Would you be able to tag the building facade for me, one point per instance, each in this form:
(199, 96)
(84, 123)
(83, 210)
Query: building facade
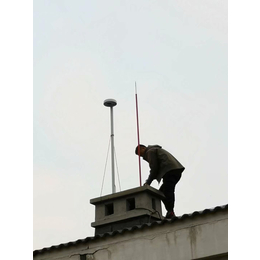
(200, 235)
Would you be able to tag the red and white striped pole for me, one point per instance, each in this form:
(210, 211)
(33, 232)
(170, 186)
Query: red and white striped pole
(138, 138)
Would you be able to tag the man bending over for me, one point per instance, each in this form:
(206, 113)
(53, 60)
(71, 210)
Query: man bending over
(163, 165)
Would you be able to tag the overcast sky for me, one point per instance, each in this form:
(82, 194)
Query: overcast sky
(88, 51)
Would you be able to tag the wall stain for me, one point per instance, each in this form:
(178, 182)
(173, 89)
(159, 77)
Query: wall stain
(193, 233)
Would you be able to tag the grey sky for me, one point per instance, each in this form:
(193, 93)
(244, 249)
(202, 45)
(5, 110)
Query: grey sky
(88, 51)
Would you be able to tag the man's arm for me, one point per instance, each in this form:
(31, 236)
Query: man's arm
(154, 165)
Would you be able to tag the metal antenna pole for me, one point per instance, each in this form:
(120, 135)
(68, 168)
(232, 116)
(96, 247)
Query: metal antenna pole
(111, 103)
(112, 152)
(138, 136)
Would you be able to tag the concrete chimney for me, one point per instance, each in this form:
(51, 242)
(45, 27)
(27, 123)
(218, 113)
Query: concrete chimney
(127, 209)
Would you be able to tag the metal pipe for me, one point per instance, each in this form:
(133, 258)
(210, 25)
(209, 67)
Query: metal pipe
(138, 136)
(111, 103)
(112, 152)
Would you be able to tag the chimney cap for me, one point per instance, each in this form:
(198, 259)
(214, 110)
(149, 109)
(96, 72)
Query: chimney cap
(125, 193)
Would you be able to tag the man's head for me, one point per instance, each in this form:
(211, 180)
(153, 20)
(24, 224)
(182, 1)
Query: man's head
(142, 150)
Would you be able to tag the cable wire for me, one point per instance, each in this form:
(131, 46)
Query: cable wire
(117, 170)
(105, 167)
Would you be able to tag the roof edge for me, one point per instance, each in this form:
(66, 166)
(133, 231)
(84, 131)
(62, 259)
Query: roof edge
(85, 240)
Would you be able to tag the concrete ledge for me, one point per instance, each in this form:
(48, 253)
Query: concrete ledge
(125, 193)
(128, 215)
(126, 223)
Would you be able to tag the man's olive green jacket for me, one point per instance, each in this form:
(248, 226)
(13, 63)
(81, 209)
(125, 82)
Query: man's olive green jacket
(160, 162)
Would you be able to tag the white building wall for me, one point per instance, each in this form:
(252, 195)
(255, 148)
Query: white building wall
(198, 237)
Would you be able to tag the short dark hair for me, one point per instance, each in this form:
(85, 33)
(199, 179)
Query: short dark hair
(136, 149)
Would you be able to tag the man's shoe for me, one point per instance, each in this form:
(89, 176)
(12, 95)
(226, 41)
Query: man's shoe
(170, 215)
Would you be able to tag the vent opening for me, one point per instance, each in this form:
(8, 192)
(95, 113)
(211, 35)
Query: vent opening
(130, 204)
(109, 209)
(153, 204)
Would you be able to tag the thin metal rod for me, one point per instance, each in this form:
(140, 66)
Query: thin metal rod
(117, 171)
(138, 137)
(105, 167)
(112, 152)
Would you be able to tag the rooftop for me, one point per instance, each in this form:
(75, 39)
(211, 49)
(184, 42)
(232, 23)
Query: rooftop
(131, 229)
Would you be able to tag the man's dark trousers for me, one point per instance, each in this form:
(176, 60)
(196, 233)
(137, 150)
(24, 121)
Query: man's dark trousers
(170, 179)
